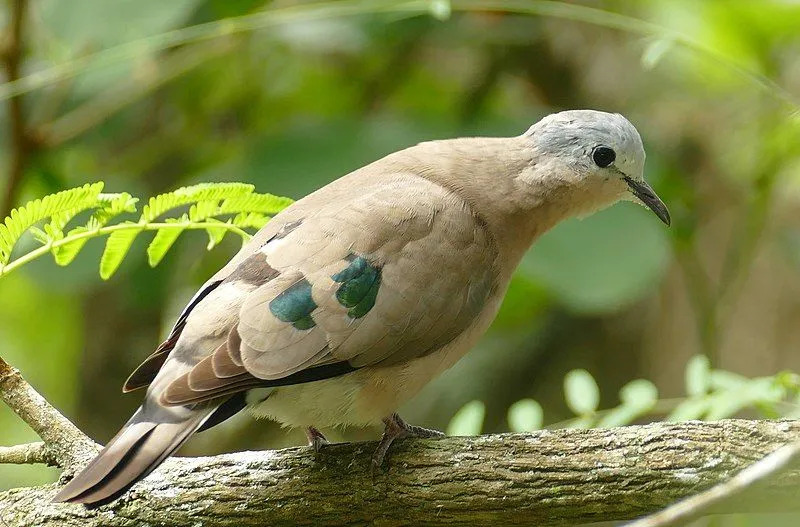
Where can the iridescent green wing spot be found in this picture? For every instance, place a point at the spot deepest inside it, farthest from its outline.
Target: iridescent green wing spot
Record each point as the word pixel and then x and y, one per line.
pixel 360 283
pixel 295 305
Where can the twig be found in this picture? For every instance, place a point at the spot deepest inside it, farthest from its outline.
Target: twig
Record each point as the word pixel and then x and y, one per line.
pixel 69 446
pixel 701 504
pixel 27 454
pixel 20 146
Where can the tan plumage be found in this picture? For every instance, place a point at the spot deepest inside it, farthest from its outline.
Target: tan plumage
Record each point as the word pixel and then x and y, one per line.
pixel 348 302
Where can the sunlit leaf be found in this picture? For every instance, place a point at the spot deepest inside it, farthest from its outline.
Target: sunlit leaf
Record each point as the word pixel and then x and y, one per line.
pixel 163 240
pixel 581 392
pixel 117 246
pixel 525 415
pixel 468 421
pixel 689 409
pixel 698 375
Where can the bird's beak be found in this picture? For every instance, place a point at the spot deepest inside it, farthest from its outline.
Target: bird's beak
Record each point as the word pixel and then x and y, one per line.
pixel 648 197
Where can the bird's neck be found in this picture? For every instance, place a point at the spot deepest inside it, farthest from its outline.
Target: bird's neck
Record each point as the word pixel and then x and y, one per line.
pixel 502 184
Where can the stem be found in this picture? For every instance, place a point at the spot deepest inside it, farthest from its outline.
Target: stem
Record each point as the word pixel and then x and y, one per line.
pixel 187 225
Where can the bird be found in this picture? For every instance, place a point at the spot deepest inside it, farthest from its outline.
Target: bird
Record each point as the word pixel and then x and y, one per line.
pixel 349 301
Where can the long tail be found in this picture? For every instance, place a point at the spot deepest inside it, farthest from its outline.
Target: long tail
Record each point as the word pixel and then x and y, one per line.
pixel 150 436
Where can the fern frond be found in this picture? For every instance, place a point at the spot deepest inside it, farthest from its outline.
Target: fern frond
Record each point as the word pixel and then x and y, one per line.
pixel 246 210
pixel 117 246
pixel 163 241
pixel 162 203
pixel 250 220
pixel 263 203
pixel 62 205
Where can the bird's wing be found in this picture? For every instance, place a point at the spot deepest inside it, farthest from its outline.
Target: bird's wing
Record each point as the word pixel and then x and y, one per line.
pixel 392 272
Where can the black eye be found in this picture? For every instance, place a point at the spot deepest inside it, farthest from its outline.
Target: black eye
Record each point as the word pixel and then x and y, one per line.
pixel 603 156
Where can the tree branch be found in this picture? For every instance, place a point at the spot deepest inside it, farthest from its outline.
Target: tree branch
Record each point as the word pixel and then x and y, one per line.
pixel 701 504
pixel 27 454
pixel 561 477
pixel 67 446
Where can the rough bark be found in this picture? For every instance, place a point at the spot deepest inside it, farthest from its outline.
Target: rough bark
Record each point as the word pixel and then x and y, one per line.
pixel 562 477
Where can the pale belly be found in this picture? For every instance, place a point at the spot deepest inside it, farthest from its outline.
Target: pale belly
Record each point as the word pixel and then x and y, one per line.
pixel 365 396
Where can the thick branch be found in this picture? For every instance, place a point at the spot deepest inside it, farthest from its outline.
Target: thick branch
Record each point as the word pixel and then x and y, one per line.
pixel 27 454
pixel 67 445
pixel 562 477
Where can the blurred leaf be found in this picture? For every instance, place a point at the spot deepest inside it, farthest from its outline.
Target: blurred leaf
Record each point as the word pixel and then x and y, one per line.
pixel 525 415
pixel 638 398
pixel 592 266
pixel 581 392
pixel 726 380
pixel 468 421
pixel 698 376
pixel 689 410
pixel 639 393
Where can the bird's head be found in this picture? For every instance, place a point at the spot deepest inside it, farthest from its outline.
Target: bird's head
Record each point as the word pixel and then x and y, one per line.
pixel 597 157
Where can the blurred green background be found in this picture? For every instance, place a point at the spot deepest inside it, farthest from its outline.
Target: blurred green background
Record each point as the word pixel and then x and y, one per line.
pixel 317 90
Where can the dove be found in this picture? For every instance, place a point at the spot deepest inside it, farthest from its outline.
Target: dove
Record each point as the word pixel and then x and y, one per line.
pixel 352 299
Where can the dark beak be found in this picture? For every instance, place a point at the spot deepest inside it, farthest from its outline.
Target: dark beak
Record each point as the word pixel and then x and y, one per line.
pixel 645 193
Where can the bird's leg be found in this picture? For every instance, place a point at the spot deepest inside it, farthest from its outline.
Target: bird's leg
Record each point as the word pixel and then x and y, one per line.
pixel 315 439
pixel 396 428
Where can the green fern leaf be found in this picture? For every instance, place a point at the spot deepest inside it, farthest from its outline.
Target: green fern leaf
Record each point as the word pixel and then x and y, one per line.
pixel 64 254
pixel 250 220
pixel 117 246
pixel 263 203
pixel 215 234
pixel 112 205
pixel 203 210
pixel 61 204
pixel 163 241
pixel 162 203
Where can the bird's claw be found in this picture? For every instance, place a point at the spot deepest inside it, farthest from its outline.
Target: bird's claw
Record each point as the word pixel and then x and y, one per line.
pixel 396 428
pixel 315 439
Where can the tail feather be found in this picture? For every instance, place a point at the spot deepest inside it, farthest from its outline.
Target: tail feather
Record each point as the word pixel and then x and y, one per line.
pixel 142 444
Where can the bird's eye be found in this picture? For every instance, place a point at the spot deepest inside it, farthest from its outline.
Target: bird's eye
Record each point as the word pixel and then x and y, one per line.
pixel 603 156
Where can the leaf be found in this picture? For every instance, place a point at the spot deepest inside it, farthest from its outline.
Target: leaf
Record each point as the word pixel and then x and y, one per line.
pixel 22 218
pixel 65 254
pixel 117 246
pixel 468 421
pixel 215 234
pixel 727 380
pixel 263 203
pixel 638 397
pixel 697 376
pixel 581 392
pixel 162 203
pixel 639 393
pixel 525 415
pixel 252 220
pixel 688 410
pixel 163 241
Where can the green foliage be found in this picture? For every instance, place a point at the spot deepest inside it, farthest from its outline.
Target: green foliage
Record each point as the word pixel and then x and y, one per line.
pixel 468 421
pixel 207 204
pixel 711 395
pixel 581 392
pixel 525 415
